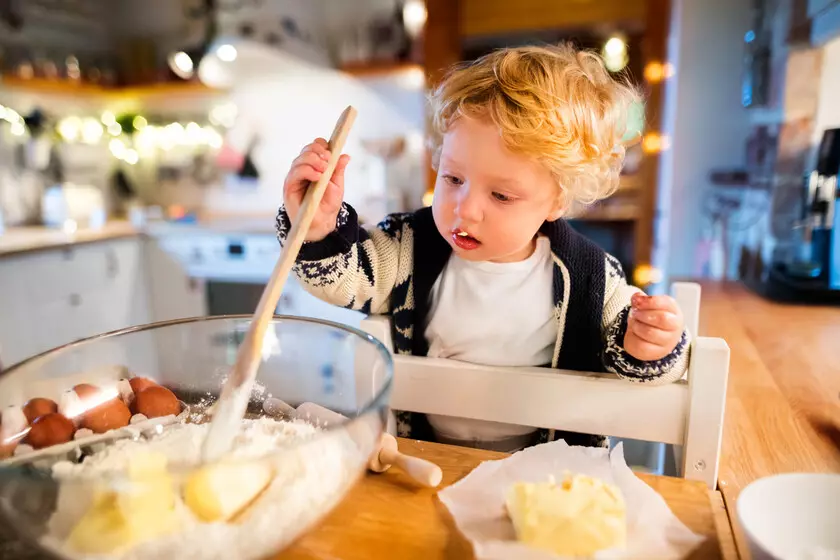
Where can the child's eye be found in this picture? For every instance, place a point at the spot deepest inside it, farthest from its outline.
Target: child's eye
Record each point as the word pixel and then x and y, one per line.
pixel 452 180
pixel 502 198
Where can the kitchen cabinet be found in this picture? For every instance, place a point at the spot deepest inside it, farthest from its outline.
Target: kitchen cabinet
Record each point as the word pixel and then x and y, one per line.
pixel 173 292
pixel 52 297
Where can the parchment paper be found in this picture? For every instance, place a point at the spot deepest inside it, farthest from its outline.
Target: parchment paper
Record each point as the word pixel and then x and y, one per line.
pixel 477 503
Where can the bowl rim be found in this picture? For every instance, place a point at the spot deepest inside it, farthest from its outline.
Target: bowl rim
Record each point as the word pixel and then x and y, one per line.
pixel 373 404
pixel 758 486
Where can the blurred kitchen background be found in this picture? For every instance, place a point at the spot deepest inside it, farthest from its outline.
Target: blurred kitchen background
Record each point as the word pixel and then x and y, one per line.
pixel 143 143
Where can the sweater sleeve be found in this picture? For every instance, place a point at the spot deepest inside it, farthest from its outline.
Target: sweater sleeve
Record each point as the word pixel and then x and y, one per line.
pixel 353 267
pixel 615 315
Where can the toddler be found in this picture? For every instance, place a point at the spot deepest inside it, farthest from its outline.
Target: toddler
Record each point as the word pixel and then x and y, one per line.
pixel 491 273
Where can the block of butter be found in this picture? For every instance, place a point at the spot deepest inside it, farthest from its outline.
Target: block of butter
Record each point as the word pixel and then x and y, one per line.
pixel 220 491
pixel 578 516
pixel 142 507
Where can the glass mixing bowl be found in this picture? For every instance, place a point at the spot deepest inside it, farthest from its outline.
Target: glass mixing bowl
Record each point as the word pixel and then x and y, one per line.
pixel 142 491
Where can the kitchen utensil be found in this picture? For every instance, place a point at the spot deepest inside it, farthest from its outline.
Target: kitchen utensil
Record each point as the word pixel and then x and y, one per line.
pixel 792 516
pixel 190 356
pixel 424 472
pixel 237 388
pixel 386 454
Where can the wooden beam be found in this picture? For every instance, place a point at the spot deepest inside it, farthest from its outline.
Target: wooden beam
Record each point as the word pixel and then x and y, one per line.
pixel 491 17
pixel 654 49
pixel 441 49
pixel 548 398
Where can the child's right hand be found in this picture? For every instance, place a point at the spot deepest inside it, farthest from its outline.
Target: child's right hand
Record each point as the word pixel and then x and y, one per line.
pixel 308 167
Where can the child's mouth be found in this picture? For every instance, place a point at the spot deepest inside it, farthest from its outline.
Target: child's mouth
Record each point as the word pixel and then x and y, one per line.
pixel 464 241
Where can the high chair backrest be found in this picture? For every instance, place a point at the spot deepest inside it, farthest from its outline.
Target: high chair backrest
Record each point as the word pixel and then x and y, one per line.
pixel 687 413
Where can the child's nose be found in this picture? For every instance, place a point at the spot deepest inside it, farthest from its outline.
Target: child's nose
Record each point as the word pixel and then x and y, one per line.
pixel 468 208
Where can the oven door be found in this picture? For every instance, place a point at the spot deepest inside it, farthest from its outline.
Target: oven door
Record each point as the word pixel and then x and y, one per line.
pixel 236 297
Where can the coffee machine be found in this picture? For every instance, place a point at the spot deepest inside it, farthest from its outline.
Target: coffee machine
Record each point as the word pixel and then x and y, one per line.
pixel 812 273
pixel 819 218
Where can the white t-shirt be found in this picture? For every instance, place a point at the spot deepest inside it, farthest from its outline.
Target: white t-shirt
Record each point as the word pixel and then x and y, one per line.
pixel 497 314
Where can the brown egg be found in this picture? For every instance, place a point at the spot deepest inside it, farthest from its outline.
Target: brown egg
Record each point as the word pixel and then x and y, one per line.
pixel 50 429
pixel 138 384
pixel 37 407
pixel 88 395
pixel 157 401
pixel 107 416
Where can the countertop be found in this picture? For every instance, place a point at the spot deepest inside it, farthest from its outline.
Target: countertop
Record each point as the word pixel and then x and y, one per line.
pixel 19 240
pixel 783 399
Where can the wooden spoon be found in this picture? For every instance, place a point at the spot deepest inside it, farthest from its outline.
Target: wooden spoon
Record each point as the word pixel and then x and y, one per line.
pixel 236 391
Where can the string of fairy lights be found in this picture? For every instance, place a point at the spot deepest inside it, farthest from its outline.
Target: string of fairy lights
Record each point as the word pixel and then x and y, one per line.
pixel 129 137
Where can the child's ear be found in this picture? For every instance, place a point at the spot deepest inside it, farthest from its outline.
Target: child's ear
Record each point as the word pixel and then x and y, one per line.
pixel 558 210
pixel 556 215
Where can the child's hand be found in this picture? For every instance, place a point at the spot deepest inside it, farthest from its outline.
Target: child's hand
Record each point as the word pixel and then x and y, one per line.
pixel 654 327
pixel 308 167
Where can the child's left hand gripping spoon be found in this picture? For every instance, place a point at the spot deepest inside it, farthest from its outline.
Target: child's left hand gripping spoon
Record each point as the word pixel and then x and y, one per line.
pixel 236 391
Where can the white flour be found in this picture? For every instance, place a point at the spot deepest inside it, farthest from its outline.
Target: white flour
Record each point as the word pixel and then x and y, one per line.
pixel 311 476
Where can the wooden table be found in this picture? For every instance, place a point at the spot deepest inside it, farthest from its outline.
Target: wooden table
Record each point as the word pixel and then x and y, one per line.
pixel 388 516
pixel 783 399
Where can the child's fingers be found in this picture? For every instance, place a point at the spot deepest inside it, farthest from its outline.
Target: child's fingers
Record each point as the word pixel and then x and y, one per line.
pixel 311 159
pixel 301 173
pixel 664 320
pixel 340 166
pixel 651 335
pixel 663 303
pixel 318 148
pixel 645 351
pixel 334 194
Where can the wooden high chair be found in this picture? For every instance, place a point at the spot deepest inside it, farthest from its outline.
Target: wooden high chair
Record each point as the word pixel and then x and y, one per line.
pixel 687 413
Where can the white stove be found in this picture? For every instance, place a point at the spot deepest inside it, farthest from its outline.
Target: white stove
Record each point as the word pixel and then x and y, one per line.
pixel 234 268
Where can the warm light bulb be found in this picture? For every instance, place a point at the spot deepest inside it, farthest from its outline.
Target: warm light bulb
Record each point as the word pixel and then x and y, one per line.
pixel 226 53
pixel 91 131
pixel 646 274
pixel 181 63
pixel 615 54
pixel 117 148
pixel 615 47
pixel 69 128
pixel 653 143
pixel 414 16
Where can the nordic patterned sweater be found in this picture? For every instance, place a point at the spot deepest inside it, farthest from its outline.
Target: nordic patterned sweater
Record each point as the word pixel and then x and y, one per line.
pixel 391 268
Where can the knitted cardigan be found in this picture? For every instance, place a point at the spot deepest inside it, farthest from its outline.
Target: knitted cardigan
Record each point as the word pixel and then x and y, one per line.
pixel 391 268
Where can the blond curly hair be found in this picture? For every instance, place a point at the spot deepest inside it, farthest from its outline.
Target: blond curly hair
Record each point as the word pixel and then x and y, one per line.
pixel 556 104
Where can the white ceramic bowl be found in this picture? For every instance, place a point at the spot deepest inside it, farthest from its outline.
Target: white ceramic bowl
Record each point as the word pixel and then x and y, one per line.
pixel 792 517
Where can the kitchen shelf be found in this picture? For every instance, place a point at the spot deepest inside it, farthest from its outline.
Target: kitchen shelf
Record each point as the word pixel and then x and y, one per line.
pixel 605 213
pixel 380 69
pixel 66 97
pixel 65 87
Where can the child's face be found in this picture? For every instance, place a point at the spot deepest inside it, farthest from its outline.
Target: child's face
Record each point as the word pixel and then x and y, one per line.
pixel 489 202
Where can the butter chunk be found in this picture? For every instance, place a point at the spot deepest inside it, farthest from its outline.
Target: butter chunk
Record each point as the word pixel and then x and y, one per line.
pixel 579 516
pixel 218 492
pixel 139 508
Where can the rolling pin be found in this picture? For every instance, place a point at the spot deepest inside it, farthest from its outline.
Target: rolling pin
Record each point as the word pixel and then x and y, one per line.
pixel 425 472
